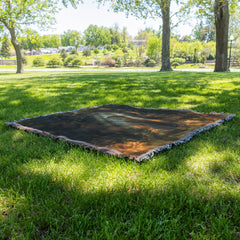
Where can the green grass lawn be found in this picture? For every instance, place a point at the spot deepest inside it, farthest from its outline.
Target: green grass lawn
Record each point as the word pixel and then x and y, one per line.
pixel 52 190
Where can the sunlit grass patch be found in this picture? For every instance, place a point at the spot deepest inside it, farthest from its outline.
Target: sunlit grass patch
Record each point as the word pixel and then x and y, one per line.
pixel 52 190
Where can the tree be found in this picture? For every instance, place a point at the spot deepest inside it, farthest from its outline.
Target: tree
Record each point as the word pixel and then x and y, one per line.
pixel 144 9
pixel 234 25
pixel 205 32
pixel 72 38
pixel 115 35
pixel 31 41
pixel 154 48
pixel 97 36
pixel 144 35
pixel 221 10
pixel 5 50
pixel 124 35
pixel 51 41
pixel 15 15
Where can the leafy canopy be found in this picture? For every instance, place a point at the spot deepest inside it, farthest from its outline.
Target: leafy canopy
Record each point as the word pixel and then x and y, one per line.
pixel 21 13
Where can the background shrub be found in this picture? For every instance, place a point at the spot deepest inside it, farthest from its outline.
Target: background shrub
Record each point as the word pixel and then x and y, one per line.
pixel 86 52
pixel 150 62
pixel 109 61
pixel 119 60
pixel 68 60
pixel 76 62
pixel 63 54
pixel 38 62
pixel 96 50
pixel 54 62
pixel 178 60
pixel 74 51
pixel 175 64
pixel 138 62
pixel 24 60
pixel 97 62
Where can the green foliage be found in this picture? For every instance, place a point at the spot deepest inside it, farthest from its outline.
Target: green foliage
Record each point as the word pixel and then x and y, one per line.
pixel 86 52
pixel 24 60
pixel 118 52
pixel 96 50
pixel 77 62
pixel 68 60
pixel 97 62
pixel 73 61
pixel 115 47
pixel 51 41
pixel 138 62
pixel 205 33
pixel 63 54
pixel 5 49
pixel 154 48
pixel 97 36
pixel 119 60
pixel 115 35
pixel 54 62
pixel 105 51
pixel 31 40
pixel 109 47
pixel 150 62
pixel 125 50
pixel 175 64
pixel 38 62
pixel 74 51
pixel 178 60
pixel 52 190
pixel 17 14
pixel 109 62
pixel 71 38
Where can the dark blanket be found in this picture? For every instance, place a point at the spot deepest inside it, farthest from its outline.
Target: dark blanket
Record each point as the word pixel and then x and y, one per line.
pixel 126 131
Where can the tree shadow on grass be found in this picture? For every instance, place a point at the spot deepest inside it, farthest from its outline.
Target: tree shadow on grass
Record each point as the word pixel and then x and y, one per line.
pixel 110 198
pixel 39 95
pixel 43 205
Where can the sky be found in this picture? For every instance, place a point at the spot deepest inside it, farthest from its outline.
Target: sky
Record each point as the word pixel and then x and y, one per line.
pixel 88 13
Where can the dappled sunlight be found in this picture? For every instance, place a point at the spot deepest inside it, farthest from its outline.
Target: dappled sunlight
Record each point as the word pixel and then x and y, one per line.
pixel 50 188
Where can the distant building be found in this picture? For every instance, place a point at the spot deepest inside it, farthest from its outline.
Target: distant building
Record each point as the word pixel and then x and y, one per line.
pixel 137 43
pixel 48 50
pixel 67 48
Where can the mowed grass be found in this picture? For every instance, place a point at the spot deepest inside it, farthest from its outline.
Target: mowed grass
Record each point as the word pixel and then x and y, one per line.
pixel 52 190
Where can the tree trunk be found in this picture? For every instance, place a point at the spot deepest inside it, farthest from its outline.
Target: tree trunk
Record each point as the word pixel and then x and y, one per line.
pixel 17 48
pixel 221 12
pixel 165 8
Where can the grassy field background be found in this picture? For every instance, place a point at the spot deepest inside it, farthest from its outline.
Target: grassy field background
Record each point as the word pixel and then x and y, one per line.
pixel 52 190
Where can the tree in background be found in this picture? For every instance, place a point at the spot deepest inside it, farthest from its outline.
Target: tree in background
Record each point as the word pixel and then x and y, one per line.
pixel 220 10
pixel 16 15
pixel 97 36
pixel 234 25
pixel 5 49
pixel 31 41
pixel 115 35
pixel 51 41
pixel 72 38
pixel 154 48
pixel 124 36
pixel 144 9
pixel 144 34
pixel 205 32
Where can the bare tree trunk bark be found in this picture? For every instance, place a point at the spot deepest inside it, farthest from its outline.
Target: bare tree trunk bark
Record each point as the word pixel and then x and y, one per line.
pixel 17 48
pixel 221 12
pixel 165 8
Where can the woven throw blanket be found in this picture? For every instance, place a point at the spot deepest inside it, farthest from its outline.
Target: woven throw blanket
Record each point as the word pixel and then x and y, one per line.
pixel 123 130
